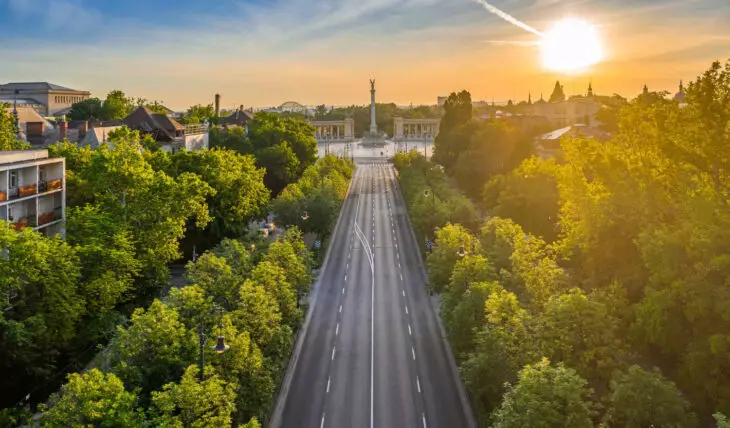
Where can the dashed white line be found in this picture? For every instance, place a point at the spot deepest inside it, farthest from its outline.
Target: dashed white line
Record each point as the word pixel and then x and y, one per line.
pixel 413 351
pixel 343 290
pixel 418 383
pixel 334 347
pixel 346 268
pixel 404 293
pixel 345 277
pixel 340 308
pixel 337 330
pixel 410 333
pixel 406 309
pixel 401 277
pixel 328 385
pixel 423 418
pixel 321 424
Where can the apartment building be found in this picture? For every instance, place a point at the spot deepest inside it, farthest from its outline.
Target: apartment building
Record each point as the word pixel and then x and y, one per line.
pixel 33 191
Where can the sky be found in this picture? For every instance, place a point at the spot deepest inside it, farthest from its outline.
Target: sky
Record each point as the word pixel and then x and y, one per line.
pixel 262 53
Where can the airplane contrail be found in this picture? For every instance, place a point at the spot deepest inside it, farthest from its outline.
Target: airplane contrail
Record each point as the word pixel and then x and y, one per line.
pixel 507 17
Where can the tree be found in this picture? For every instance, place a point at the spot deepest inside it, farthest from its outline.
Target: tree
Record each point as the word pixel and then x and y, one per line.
pixel 528 195
pixel 558 95
pixel 450 239
pixel 117 106
pixel 8 132
pixel 257 312
pixel 107 256
pixel 90 108
pixel 240 194
pixel 641 398
pixel 92 399
pixel 153 349
pixel 581 332
pixel 502 346
pixel 457 113
pixel 200 114
pixel 273 279
pixel 546 396
pixel 195 404
pixel 40 300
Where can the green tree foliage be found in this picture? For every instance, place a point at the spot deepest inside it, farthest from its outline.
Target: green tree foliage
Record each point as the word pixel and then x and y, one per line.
pixel 546 396
pixel 284 147
pixel 116 106
pixel 240 193
pixel 457 113
pixel 318 194
pixel 199 114
pixel 41 303
pixel 450 240
pixel 195 404
pixel 154 349
pixel 641 398
pixel 92 399
pixel 528 195
pixel 91 108
pixel 8 132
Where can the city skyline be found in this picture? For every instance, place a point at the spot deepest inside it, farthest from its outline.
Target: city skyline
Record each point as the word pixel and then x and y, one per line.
pixel 265 53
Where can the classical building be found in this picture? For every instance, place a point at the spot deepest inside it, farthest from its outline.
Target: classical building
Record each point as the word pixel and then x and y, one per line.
pixel 575 110
pixel 547 146
pixel 47 98
pixel 334 130
pixel 415 129
pixel 167 131
pixel 679 96
pixel 33 191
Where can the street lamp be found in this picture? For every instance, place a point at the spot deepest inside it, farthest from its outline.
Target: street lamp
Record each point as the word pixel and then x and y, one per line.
pixel 220 346
pixel 462 252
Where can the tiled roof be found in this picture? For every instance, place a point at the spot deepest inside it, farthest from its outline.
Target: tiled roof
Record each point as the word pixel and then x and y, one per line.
pixel 35 86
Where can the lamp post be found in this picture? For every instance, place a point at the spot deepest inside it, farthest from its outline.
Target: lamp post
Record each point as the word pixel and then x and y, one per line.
pixel 220 346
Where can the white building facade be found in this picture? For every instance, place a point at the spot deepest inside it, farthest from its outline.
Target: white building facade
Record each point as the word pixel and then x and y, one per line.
pixel 33 191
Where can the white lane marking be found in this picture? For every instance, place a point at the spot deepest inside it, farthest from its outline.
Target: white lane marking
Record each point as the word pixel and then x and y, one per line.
pixel 343 290
pixel 418 383
pixel 398 254
pixel 404 293
pixel 321 424
pixel 334 347
pixel 340 308
pixel 328 385
pixel 398 265
pixel 401 277
pixel 406 309
pixel 345 277
pixel 413 351
pixel 410 333
pixel 337 330
pixel 423 417
pixel 346 268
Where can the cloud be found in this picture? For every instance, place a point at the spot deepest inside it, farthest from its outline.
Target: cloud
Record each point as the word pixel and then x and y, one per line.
pixel 55 15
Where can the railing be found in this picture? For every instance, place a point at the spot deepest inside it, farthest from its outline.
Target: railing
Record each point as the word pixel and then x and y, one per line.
pixel 196 129
pixel 31 189
pixel 12 193
pixel 25 222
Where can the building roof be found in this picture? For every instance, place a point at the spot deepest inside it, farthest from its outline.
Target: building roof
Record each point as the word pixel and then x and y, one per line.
pixel 20 101
pixel 14 156
pixel 35 86
pixel 238 117
pixel 96 136
pixel 143 119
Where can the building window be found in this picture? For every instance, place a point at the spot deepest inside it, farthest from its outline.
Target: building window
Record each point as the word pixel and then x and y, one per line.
pixel 13 179
pixel 10 213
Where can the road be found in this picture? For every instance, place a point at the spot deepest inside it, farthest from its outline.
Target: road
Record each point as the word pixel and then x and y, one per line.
pixel 372 354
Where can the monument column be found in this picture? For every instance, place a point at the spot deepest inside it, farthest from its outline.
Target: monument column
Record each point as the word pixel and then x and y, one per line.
pixel 373 123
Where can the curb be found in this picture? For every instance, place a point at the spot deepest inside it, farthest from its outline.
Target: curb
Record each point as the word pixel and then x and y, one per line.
pixel 282 395
pixel 463 397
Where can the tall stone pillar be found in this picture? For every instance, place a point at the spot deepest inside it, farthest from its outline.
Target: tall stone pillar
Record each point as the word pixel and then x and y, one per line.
pixel 373 123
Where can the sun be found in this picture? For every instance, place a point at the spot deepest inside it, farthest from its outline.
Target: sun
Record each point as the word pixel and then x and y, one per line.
pixel 571 45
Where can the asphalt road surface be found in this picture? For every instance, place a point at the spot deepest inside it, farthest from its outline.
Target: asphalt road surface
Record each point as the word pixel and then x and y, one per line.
pixel 372 354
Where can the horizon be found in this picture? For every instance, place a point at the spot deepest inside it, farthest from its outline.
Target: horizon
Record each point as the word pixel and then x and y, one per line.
pixel 290 50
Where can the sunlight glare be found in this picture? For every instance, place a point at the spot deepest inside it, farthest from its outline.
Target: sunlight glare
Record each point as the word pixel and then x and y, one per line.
pixel 571 45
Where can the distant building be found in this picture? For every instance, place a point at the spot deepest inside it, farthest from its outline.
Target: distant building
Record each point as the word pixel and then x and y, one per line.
pixel 98 135
pixel 679 96
pixel 47 98
pixel 167 131
pixel 547 146
pixel 239 117
pixel 576 110
pixel 440 101
pixel 33 191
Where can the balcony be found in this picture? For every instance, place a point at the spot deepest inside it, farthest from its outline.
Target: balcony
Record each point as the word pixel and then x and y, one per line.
pixel 50 216
pixel 24 222
pixel 3 196
pixel 29 190
pixel 47 186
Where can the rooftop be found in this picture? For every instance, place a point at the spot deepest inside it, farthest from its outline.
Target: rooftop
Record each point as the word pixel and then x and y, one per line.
pixel 35 86
pixel 15 156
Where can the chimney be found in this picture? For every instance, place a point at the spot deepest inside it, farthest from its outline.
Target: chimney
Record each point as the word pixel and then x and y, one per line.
pixel 62 130
pixel 217 105
pixel 81 125
pixel 34 129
